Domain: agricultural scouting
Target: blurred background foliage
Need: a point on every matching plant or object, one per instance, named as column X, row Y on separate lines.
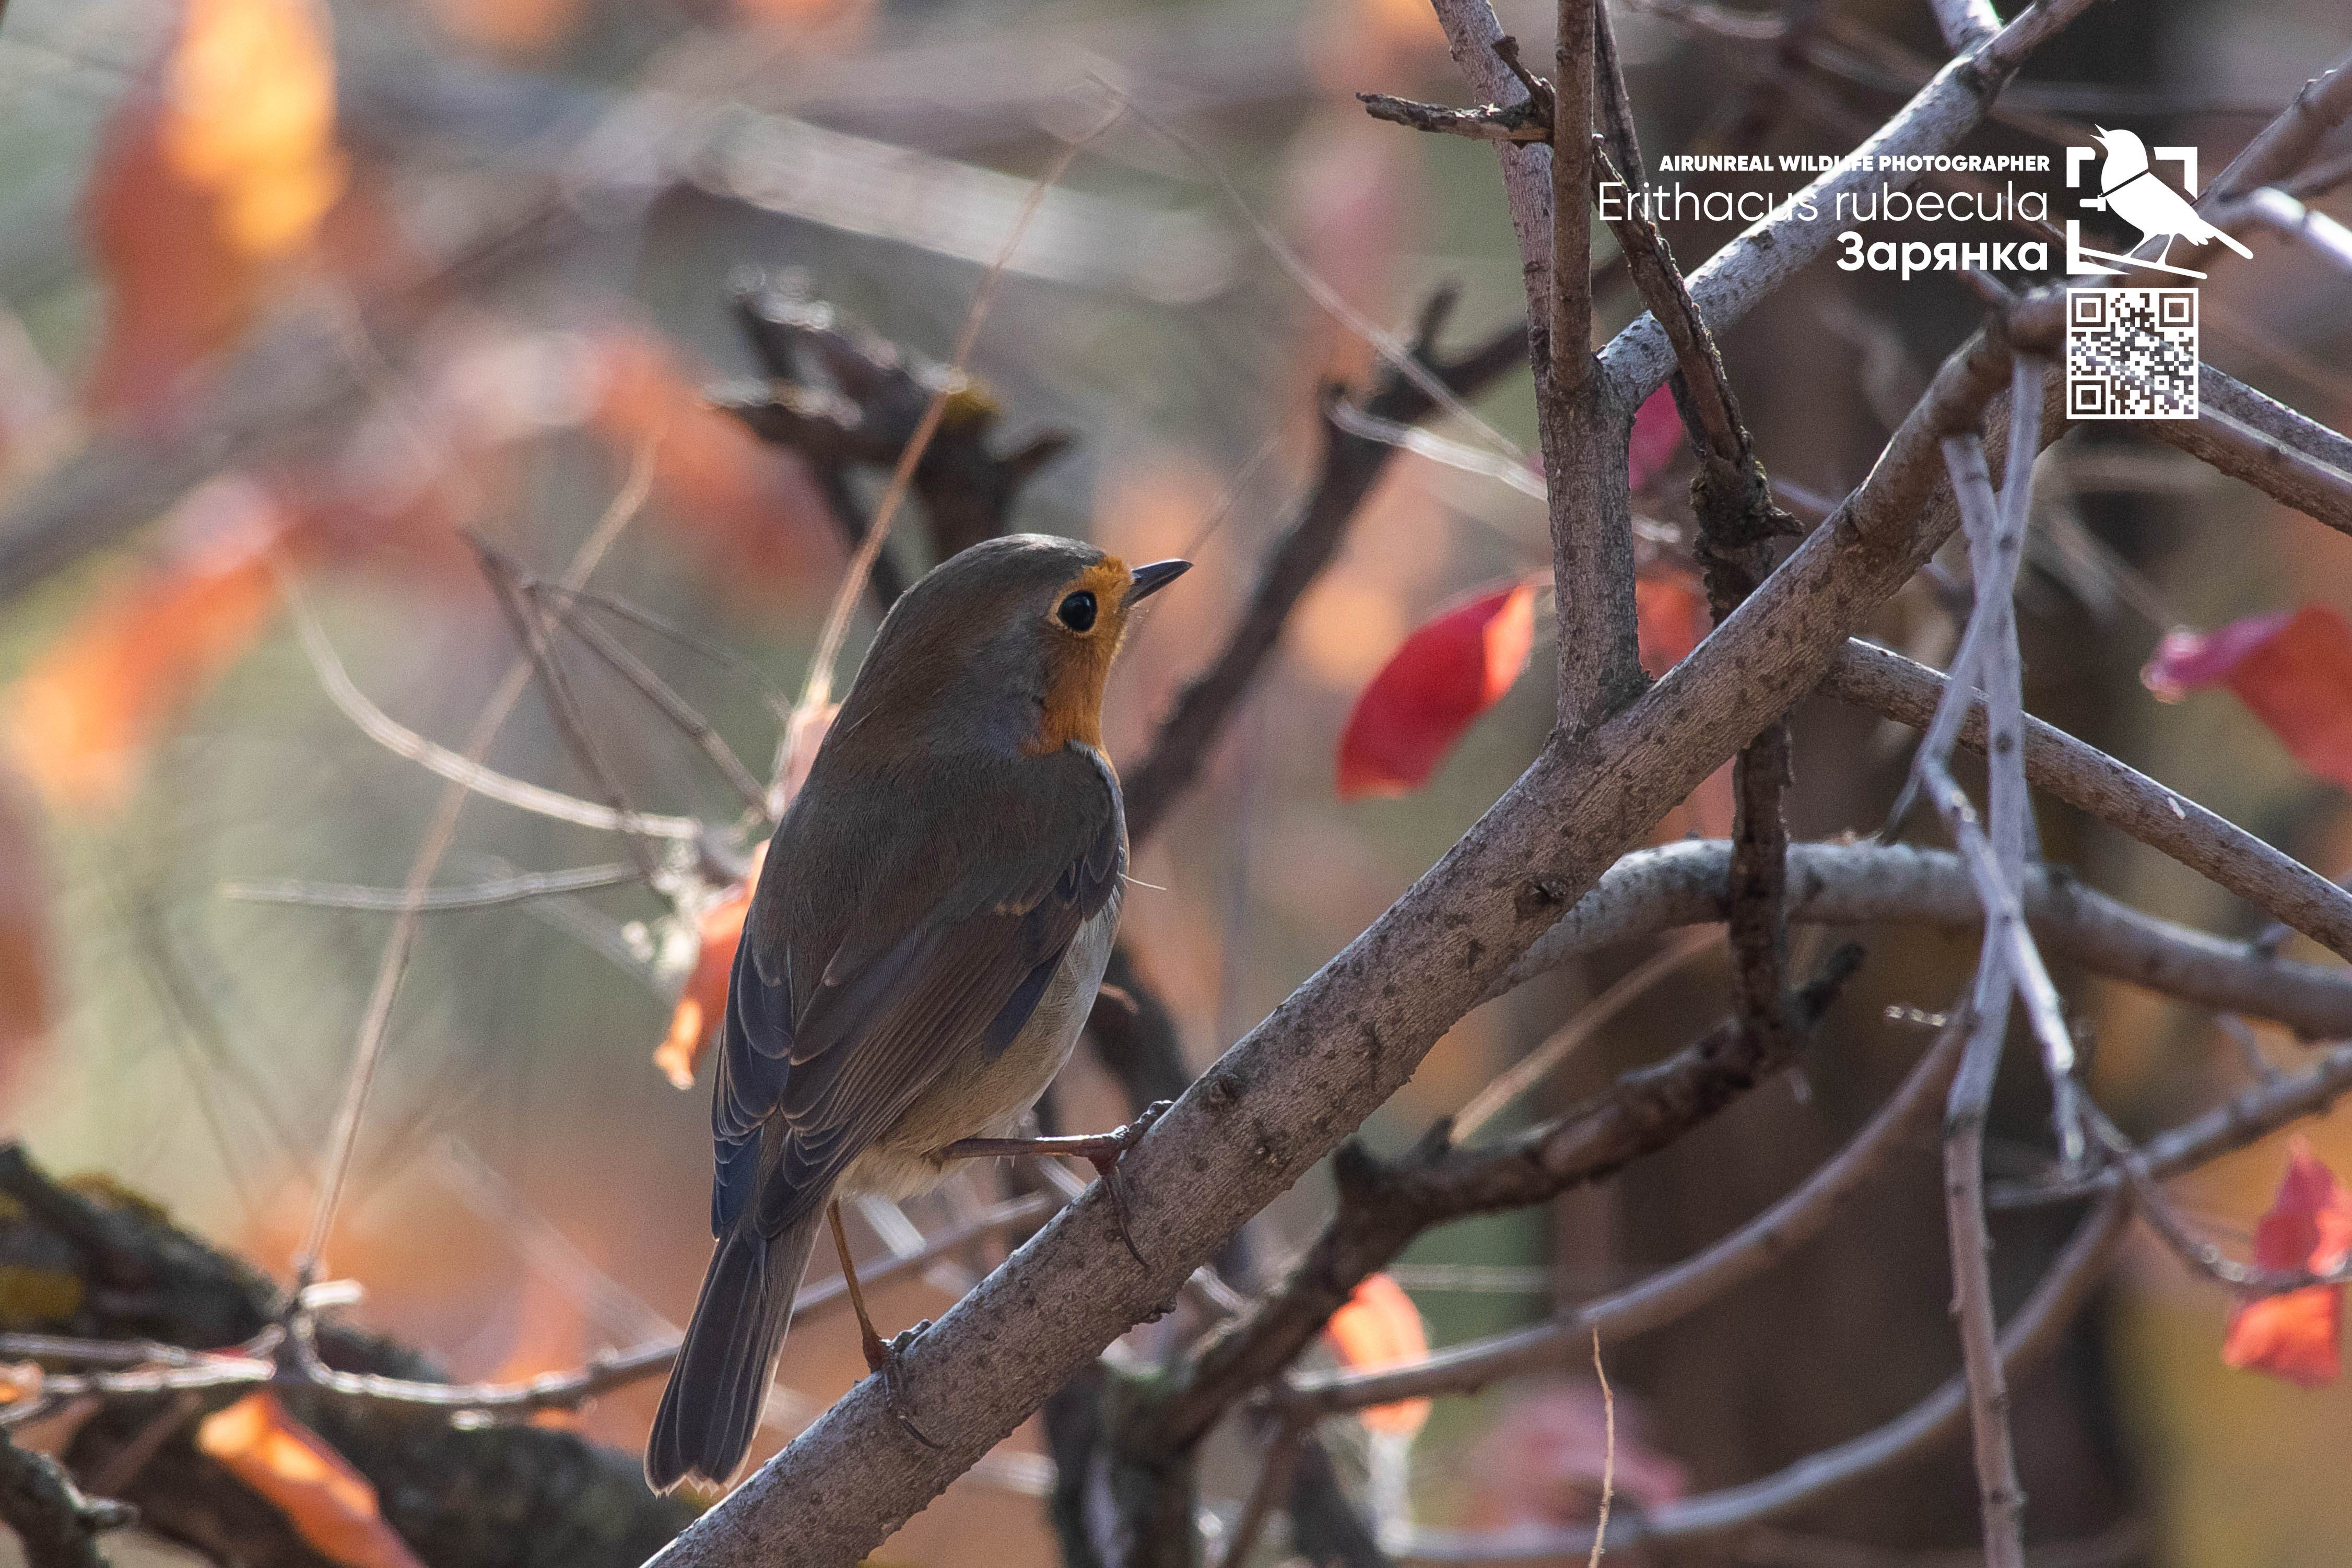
column 487, row 250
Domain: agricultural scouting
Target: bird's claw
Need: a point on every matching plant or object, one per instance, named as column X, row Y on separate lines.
column 887, row 1362
column 1105, row 1166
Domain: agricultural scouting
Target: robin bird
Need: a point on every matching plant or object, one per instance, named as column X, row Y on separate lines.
column 928, row 933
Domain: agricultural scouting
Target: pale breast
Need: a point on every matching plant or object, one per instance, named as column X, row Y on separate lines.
column 977, row 1097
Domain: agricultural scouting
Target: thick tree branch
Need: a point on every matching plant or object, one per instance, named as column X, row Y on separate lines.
column 1297, row 1084
column 55, row 1524
column 105, row 1264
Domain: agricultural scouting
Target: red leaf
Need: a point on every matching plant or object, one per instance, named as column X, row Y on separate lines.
column 1449, row 670
column 1380, row 1327
column 1657, row 437
column 2294, row 671
column 1671, row 610
column 2297, row 1335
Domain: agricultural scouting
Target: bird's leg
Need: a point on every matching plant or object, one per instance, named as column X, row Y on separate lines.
column 882, row 1358
column 1101, row 1150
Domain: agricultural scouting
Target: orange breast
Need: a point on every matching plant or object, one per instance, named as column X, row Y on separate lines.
column 1079, row 662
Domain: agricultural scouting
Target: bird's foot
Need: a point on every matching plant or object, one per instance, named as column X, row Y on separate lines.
column 1101, row 1150
column 1105, row 1163
column 887, row 1362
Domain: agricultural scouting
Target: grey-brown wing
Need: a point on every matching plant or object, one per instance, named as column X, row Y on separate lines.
column 815, row 1066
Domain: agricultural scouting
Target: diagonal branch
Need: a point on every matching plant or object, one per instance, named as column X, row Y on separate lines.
column 1663, row 1297
column 2027, row 1337
column 1342, row 1043
column 1382, row 1206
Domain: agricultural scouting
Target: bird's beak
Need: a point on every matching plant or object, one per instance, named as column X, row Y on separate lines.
column 1149, row 580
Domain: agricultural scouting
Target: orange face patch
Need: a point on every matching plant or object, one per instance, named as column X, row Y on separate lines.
column 1079, row 662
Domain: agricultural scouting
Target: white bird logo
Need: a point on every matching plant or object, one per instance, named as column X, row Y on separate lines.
column 2131, row 190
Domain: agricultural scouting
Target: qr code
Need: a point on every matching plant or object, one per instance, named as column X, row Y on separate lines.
column 2131, row 353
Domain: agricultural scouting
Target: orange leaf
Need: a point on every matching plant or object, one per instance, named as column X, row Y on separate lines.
column 2293, row 670
column 82, row 717
column 1657, row 437
column 703, row 1002
column 2297, row 1335
column 1670, row 608
column 330, row 1504
column 216, row 170
column 1380, row 1327
column 1450, row 670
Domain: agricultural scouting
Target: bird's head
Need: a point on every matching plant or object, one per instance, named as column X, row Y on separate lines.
column 1008, row 643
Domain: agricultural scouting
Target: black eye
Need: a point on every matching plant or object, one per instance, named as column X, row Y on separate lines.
column 1077, row 612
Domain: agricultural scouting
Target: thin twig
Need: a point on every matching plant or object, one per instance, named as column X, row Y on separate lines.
column 530, row 629
column 816, row 695
column 459, row 768
column 2026, row 1338
column 1608, row 1456
column 1664, row 1296
column 1524, row 1074
column 475, row 895
column 442, row 831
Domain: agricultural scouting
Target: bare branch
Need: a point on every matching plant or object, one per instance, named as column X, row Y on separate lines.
column 2090, row 780
column 458, row 767
column 55, row 1524
column 1384, row 1205
column 1521, row 121
column 1351, row 464
column 2227, row 1128
column 376, row 1020
column 2028, row 1336
column 1663, row 1297
column 1861, row 885
column 479, row 895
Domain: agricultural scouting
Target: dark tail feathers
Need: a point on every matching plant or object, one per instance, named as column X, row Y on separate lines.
column 711, row 1407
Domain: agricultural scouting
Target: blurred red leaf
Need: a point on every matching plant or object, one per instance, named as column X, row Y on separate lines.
column 27, row 985
column 81, row 720
column 1657, row 437
column 2294, row 670
column 330, row 1504
column 747, row 502
column 216, row 170
column 1672, row 610
column 1380, row 1327
column 2297, row 1335
column 1450, row 670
